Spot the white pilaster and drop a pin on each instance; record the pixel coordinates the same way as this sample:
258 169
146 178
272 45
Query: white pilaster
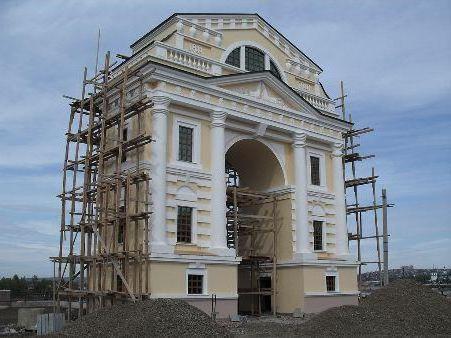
342 249
218 184
303 249
158 182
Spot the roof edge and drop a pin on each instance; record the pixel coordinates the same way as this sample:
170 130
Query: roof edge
196 13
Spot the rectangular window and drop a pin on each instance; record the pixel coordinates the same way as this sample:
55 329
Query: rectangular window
184 224
195 284
185 144
317 235
330 283
314 171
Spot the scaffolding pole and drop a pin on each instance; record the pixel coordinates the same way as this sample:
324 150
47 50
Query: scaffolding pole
105 194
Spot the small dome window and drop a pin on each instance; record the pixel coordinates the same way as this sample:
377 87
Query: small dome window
254 60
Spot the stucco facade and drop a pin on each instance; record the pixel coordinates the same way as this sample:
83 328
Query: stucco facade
274 124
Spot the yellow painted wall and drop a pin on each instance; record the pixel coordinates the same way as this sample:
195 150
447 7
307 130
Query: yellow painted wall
289 289
170 278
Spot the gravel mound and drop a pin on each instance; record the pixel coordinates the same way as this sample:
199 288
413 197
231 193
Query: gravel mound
403 308
149 318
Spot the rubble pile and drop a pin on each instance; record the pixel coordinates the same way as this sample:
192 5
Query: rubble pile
402 308
149 318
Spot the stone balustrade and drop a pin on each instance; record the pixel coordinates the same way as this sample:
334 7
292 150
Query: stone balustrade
319 102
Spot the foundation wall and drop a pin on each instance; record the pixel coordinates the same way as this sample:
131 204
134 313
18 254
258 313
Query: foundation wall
313 304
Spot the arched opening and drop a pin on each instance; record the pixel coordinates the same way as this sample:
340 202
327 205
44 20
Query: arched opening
256 165
253 172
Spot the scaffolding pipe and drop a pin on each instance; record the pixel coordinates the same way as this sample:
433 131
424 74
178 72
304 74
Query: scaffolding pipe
385 234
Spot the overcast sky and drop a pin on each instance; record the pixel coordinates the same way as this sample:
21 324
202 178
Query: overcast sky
394 57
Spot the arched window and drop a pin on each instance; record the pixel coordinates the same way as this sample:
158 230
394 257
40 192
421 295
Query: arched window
234 58
254 60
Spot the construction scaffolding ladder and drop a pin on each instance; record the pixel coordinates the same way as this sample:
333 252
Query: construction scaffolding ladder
105 195
355 208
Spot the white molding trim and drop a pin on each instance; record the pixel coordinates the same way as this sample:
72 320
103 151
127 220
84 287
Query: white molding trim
196 142
322 263
192 297
172 257
331 294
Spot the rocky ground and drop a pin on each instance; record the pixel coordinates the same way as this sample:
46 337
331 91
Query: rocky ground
404 308
158 317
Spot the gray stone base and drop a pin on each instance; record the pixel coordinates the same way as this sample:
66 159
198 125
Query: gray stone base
224 307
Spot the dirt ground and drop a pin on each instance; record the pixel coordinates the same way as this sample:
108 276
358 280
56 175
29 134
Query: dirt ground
270 326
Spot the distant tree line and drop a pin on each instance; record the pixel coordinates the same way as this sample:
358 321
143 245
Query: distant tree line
28 288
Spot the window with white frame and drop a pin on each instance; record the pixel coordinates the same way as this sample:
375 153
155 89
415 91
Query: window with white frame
196 279
195 284
331 280
331 283
186 141
184 224
185 144
317 169
315 178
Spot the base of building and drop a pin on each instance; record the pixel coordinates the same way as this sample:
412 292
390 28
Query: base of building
224 307
314 304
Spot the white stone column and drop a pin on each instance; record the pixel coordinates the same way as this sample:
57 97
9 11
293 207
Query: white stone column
341 235
158 165
303 249
218 184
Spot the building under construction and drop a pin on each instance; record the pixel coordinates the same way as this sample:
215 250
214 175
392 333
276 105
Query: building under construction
206 165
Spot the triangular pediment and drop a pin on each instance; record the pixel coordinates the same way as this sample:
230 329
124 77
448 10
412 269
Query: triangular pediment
259 90
265 88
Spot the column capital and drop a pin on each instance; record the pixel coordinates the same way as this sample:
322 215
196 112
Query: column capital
299 140
160 104
337 149
218 117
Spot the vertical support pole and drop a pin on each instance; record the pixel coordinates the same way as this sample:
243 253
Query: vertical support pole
385 234
235 220
342 97
376 225
274 257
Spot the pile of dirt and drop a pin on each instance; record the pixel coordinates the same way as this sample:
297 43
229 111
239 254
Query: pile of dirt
156 317
402 308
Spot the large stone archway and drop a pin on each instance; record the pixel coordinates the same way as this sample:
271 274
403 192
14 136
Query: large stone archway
257 165
259 171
